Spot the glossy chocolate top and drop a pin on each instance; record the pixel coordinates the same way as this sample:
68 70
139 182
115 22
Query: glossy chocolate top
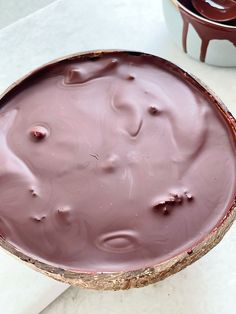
112 164
216 10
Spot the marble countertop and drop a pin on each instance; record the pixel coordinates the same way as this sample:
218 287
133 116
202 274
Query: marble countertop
68 26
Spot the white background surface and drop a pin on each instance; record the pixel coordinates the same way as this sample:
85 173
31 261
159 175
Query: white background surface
22 290
12 10
67 26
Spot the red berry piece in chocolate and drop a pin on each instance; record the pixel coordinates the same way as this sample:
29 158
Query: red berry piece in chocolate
189 196
38 219
130 77
38 133
165 210
33 193
153 110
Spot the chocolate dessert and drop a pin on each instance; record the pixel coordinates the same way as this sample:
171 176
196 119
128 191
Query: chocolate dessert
112 162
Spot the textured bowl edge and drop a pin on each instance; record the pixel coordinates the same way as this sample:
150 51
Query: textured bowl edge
142 277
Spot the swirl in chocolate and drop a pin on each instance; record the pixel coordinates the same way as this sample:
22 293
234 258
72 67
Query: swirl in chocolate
113 163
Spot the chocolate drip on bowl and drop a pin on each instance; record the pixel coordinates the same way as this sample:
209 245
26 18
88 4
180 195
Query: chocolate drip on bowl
206 30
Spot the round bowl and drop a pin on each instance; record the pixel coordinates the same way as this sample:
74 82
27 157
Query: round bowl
204 40
144 276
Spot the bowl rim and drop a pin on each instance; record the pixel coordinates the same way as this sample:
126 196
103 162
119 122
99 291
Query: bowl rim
201 18
122 280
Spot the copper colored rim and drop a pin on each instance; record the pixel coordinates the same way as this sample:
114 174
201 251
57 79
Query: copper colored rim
144 276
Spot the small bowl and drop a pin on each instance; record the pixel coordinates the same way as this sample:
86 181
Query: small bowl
204 40
144 276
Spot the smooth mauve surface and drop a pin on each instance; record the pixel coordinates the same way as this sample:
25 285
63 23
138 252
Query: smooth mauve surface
114 164
208 285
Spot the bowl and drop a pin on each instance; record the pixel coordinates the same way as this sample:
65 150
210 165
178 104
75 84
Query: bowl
204 40
116 280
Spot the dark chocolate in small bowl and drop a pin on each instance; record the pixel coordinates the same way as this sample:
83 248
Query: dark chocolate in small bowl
203 39
117 169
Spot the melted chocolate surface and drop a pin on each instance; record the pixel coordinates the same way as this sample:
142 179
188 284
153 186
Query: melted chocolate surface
112 164
216 10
